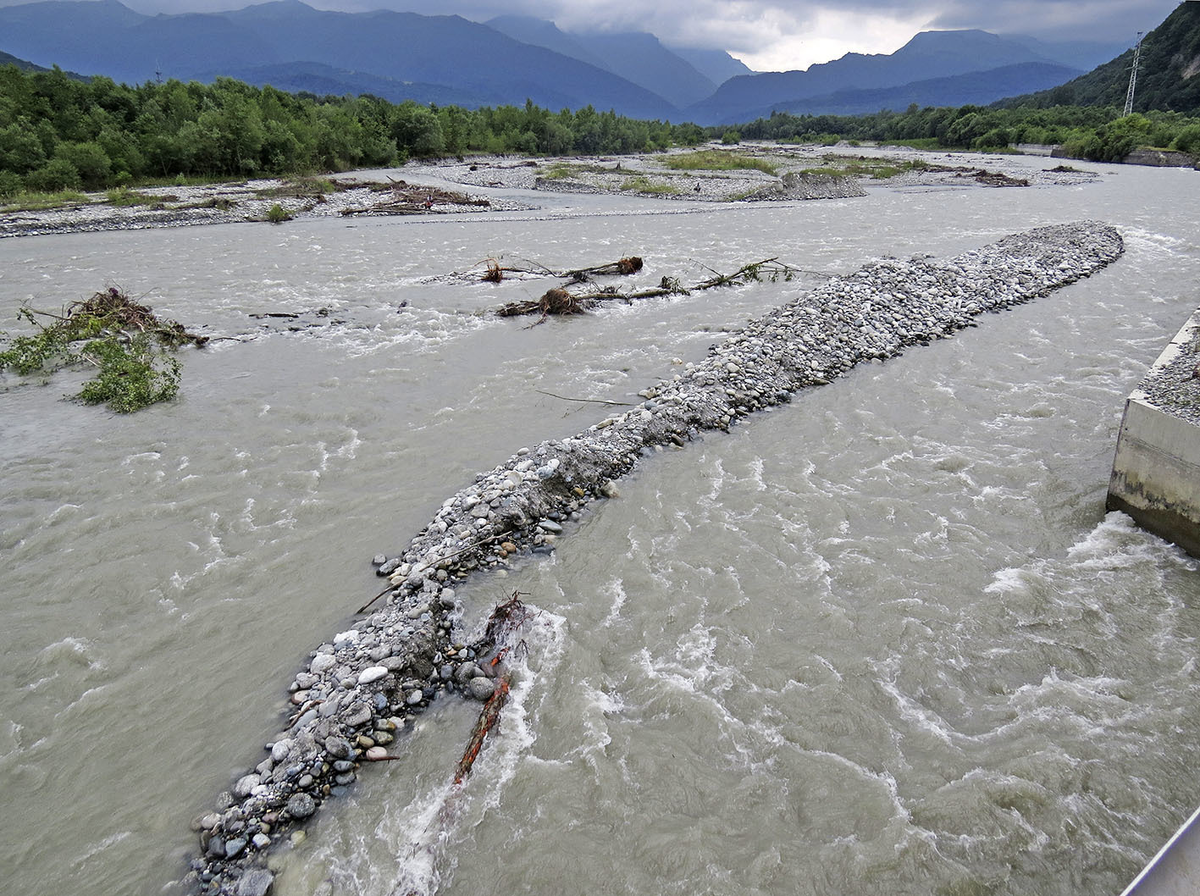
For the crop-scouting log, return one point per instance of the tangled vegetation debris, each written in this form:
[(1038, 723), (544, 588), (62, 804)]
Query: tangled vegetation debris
[(404, 198), (126, 342), (560, 301)]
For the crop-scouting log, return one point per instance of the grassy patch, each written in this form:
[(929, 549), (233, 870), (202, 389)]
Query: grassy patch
[(33, 202), (859, 166), (915, 143), (641, 184), (301, 188), (559, 171), (277, 214), (123, 197), (567, 170), (716, 160)]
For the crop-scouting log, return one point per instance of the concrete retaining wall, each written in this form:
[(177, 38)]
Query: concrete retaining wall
[(1156, 473)]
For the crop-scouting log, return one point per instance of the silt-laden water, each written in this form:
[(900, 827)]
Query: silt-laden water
[(881, 640)]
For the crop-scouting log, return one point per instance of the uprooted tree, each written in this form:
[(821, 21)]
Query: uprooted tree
[(130, 347)]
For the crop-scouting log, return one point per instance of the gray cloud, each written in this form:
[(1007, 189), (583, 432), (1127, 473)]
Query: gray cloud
[(779, 33)]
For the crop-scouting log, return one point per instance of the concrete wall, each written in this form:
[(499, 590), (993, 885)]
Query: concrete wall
[(1156, 473)]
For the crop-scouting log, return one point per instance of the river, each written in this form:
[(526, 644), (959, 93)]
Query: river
[(881, 640)]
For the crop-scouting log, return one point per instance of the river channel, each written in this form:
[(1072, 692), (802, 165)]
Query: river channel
[(881, 640)]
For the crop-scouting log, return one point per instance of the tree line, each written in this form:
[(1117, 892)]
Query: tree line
[(59, 132), (1096, 133)]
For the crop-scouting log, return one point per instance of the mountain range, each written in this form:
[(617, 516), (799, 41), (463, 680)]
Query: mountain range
[(450, 60)]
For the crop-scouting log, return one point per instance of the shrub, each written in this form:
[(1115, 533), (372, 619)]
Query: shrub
[(731, 138), (10, 185), (277, 214), (55, 176), (1188, 140)]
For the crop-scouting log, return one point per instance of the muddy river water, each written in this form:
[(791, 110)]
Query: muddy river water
[(881, 640)]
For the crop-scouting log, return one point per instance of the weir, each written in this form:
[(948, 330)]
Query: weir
[(1156, 471), (358, 690)]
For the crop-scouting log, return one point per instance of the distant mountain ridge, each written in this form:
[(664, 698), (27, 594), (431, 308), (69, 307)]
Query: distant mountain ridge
[(929, 55), (639, 57), (977, 88), (450, 60)]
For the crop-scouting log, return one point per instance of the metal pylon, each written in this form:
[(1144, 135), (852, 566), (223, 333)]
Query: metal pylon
[(1137, 57)]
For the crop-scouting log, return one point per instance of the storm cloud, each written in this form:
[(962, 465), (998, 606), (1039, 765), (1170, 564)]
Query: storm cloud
[(777, 35)]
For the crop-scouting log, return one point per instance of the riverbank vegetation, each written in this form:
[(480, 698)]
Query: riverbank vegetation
[(1099, 134), (60, 135)]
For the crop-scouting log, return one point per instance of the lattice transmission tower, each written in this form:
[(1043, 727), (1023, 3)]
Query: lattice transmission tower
[(1137, 57)]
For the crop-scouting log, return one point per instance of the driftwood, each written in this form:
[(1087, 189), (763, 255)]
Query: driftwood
[(560, 301), (604, 401), (113, 309), (488, 717), (411, 199), (495, 272), (506, 619), (553, 301)]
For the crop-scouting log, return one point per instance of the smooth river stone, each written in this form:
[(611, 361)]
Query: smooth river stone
[(372, 673)]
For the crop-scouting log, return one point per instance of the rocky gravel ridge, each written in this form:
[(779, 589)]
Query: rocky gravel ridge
[(359, 691)]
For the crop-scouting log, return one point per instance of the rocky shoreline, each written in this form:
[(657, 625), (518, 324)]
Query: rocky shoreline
[(234, 203), (800, 175), (359, 690)]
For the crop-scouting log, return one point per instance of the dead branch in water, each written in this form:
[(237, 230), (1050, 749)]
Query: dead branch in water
[(494, 271), (553, 301), (488, 717), (560, 301), (585, 400), (506, 619)]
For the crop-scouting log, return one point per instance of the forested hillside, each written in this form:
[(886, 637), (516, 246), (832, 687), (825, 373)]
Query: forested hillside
[(1168, 72)]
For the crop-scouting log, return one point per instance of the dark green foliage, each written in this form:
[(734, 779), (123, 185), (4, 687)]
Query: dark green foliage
[(58, 133), (1095, 133), (133, 374), (10, 185), (277, 214), (56, 175), (126, 343)]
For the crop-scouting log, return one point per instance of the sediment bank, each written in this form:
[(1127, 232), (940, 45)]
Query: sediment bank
[(357, 692)]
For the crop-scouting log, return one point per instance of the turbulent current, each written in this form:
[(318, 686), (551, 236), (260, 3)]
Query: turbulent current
[(882, 639)]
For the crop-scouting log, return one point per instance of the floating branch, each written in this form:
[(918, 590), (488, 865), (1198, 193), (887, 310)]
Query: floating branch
[(560, 301), (553, 301), (495, 272), (624, 267)]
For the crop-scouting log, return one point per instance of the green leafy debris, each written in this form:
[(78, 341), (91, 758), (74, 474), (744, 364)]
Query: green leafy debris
[(129, 346)]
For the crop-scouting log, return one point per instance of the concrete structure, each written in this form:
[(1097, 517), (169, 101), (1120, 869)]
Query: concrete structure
[(1176, 868), (1156, 473)]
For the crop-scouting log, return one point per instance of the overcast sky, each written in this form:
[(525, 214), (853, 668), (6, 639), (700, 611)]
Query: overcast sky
[(778, 35)]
